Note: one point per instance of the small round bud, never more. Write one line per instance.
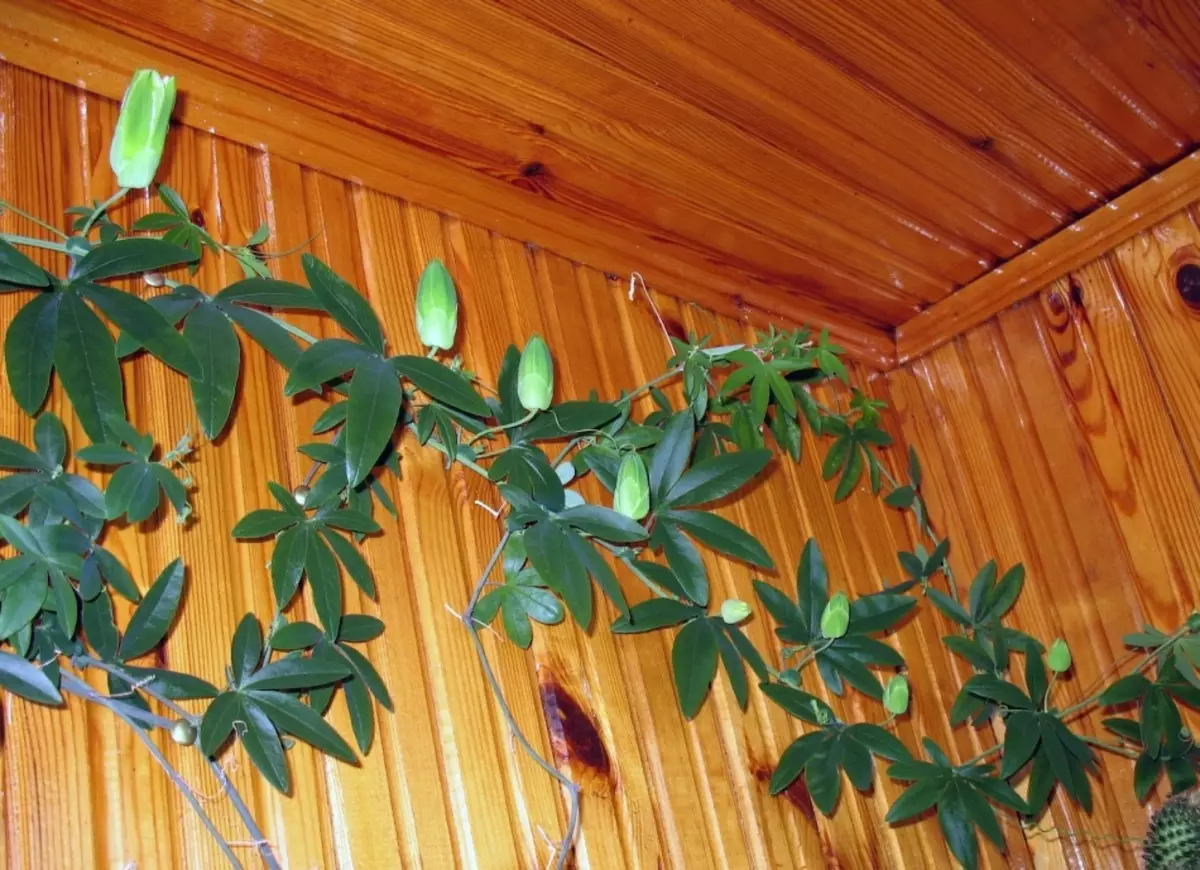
(153, 279)
(1059, 657)
(183, 732)
(734, 611)
(835, 619)
(895, 695)
(300, 494)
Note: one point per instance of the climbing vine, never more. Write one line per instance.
(744, 406)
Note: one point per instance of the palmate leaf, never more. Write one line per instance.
(441, 383)
(16, 268)
(29, 345)
(144, 324)
(374, 406)
(694, 664)
(127, 256)
(671, 455)
(86, 360)
(209, 333)
(153, 616)
(352, 312)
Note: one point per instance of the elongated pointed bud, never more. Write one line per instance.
(535, 376)
(632, 495)
(734, 611)
(1059, 657)
(895, 695)
(437, 307)
(137, 144)
(835, 619)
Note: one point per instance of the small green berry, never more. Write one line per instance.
(183, 732)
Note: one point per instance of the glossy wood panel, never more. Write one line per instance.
(1064, 433)
(863, 158)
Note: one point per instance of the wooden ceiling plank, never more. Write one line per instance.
(642, 41)
(474, 60)
(1142, 207)
(923, 54)
(1027, 29)
(63, 46)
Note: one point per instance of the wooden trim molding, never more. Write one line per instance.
(1083, 241)
(42, 38)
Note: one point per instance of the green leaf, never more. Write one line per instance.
(352, 560)
(568, 419)
(263, 522)
(441, 383)
(723, 536)
(350, 520)
(916, 799)
(957, 827)
(21, 601)
(684, 560)
(50, 438)
(292, 673)
(325, 583)
(218, 721)
(219, 356)
(296, 635)
(995, 689)
(87, 365)
(352, 312)
(1001, 599)
(1146, 773)
(363, 670)
(694, 662)
(734, 667)
(270, 293)
(262, 743)
(362, 714)
(115, 575)
(879, 740)
(1021, 738)
(126, 256)
(66, 605)
(746, 649)
(149, 623)
(655, 614)
(971, 651)
(29, 350)
(552, 556)
(359, 628)
(246, 649)
(99, 627)
(797, 702)
(823, 779)
(981, 814)
(948, 606)
(27, 680)
(878, 612)
(327, 359)
(603, 523)
(16, 455)
(1124, 690)
(144, 324)
(794, 758)
(374, 405)
(812, 585)
(852, 473)
(332, 416)
(267, 332)
(717, 477)
(595, 565)
(671, 455)
(16, 268)
(981, 589)
(292, 717)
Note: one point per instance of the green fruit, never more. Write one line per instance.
(141, 133)
(895, 695)
(632, 494)
(183, 732)
(835, 619)
(1173, 840)
(535, 376)
(437, 307)
(1059, 657)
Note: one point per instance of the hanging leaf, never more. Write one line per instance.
(326, 584)
(671, 455)
(16, 268)
(127, 256)
(271, 337)
(723, 536)
(27, 680)
(270, 293)
(29, 350)
(292, 717)
(219, 357)
(352, 312)
(144, 324)
(327, 359)
(150, 621)
(262, 743)
(441, 383)
(87, 365)
(684, 560)
(694, 663)
(717, 477)
(374, 405)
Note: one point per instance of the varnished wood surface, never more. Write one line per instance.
(1064, 433)
(1083, 469)
(1146, 205)
(864, 157)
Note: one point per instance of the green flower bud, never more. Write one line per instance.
(1059, 657)
(437, 307)
(137, 144)
(734, 611)
(535, 376)
(183, 732)
(895, 695)
(632, 495)
(835, 619)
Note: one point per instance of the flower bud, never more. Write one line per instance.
(835, 619)
(632, 494)
(895, 695)
(1059, 657)
(141, 132)
(734, 611)
(300, 494)
(535, 376)
(183, 732)
(437, 307)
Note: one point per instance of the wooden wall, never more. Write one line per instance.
(1063, 433)
(1057, 434)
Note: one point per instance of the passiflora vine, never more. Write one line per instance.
(666, 463)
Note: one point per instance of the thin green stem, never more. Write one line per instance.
(504, 427)
(1109, 747)
(981, 756)
(101, 209)
(650, 384)
(75, 686)
(32, 219)
(31, 242)
(468, 619)
(1141, 666)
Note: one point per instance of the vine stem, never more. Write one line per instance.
(101, 209)
(31, 242)
(227, 786)
(468, 619)
(4, 204)
(75, 686)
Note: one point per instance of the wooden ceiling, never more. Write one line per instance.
(849, 160)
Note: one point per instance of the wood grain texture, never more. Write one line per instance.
(854, 162)
(1063, 433)
(1143, 207)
